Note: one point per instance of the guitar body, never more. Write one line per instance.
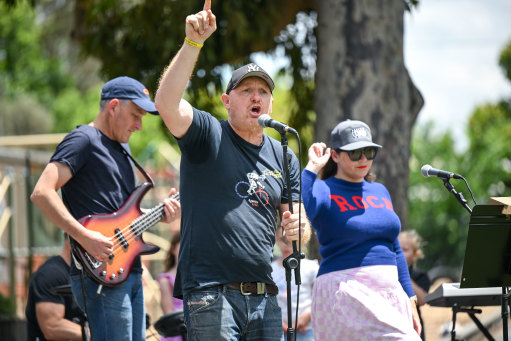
(128, 243)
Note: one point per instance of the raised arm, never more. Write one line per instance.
(175, 111)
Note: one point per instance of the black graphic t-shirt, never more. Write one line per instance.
(231, 191)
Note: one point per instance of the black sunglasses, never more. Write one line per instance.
(355, 155)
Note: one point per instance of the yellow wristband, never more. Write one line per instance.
(413, 298)
(192, 43)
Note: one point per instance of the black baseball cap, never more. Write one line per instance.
(249, 70)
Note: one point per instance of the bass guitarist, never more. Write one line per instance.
(95, 174)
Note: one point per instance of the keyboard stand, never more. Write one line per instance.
(471, 313)
(487, 261)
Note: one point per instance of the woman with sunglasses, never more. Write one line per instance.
(363, 289)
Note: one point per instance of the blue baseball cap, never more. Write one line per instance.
(129, 88)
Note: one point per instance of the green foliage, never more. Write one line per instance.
(284, 106)
(489, 133)
(24, 67)
(30, 79)
(7, 307)
(139, 38)
(72, 108)
(299, 43)
(152, 132)
(143, 36)
(39, 96)
(505, 60)
(433, 211)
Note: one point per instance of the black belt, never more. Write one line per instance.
(255, 288)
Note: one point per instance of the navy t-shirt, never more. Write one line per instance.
(103, 176)
(230, 192)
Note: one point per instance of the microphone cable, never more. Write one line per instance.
(469, 189)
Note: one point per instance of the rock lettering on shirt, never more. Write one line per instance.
(360, 203)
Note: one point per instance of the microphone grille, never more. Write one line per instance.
(263, 119)
(424, 171)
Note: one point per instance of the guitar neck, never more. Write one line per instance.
(150, 217)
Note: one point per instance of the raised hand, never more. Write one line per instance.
(200, 26)
(318, 156)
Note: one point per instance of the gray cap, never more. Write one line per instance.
(351, 135)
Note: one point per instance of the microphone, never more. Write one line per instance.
(428, 171)
(265, 121)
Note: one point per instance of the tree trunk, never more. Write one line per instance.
(361, 75)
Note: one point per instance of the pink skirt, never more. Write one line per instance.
(366, 303)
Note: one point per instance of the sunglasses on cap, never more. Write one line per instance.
(355, 155)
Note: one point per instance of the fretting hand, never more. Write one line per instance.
(172, 208)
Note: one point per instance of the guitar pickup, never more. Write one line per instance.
(121, 239)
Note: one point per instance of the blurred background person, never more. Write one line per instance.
(166, 280)
(411, 244)
(51, 316)
(308, 271)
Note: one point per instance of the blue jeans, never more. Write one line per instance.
(220, 313)
(118, 313)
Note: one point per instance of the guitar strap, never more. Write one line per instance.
(139, 167)
(144, 173)
(77, 263)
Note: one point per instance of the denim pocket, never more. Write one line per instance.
(201, 300)
(273, 302)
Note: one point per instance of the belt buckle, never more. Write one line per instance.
(242, 292)
(261, 288)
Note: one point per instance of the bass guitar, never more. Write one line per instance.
(124, 227)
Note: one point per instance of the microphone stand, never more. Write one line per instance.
(458, 196)
(291, 262)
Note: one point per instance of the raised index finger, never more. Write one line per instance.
(207, 5)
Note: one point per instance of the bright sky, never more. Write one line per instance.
(451, 51)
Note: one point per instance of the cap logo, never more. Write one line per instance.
(145, 91)
(359, 132)
(252, 68)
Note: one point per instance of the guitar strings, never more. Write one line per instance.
(139, 225)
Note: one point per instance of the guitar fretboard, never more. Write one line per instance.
(150, 218)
